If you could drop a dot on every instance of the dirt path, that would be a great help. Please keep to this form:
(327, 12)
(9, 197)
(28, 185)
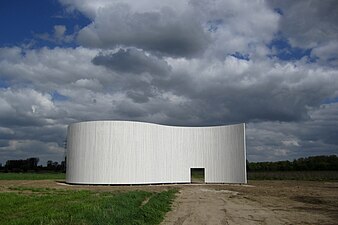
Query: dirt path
(219, 205)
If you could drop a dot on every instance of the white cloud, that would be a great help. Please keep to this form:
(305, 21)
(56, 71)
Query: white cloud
(6, 130)
(47, 68)
(166, 31)
(19, 149)
(58, 36)
(290, 142)
(92, 84)
(308, 23)
(179, 28)
(92, 8)
(327, 52)
(240, 26)
(315, 136)
(181, 63)
(311, 25)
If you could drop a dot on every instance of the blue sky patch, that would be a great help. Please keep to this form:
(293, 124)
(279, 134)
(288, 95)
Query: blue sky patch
(284, 51)
(3, 83)
(56, 96)
(330, 100)
(22, 20)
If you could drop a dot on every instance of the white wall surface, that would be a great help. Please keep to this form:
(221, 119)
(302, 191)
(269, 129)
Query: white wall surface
(125, 152)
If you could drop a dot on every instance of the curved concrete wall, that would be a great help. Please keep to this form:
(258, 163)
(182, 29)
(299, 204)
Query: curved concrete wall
(124, 152)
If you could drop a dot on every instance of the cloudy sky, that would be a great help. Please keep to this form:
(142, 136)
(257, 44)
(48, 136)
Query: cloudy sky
(270, 64)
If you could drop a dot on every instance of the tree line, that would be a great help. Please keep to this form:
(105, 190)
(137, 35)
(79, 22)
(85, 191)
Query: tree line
(322, 162)
(311, 163)
(31, 165)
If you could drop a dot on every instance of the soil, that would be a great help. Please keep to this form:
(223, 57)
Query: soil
(258, 202)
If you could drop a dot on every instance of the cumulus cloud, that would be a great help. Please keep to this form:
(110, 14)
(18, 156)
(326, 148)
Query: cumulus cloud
(26, 107)
(165, 31)
(22, 149)
(189, 92)
(58, 36)
(307, 23)
(327, 53)
(315, 136)
(91, 8)
(218, 27)
(237, 26)
(30, 125)
(179, 63)
(46, 68)
(132, 61)
(311, 25)
(91, 84)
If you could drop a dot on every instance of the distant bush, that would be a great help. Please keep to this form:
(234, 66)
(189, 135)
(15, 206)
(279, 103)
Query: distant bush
(312, 163)
(31, 165)
(294, 175)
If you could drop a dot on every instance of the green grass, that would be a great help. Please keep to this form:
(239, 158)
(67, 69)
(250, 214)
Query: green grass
(294, 175)
(21, 205)
(32, 176)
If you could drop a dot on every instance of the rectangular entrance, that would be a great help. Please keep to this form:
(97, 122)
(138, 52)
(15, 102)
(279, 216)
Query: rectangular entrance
(197, 175)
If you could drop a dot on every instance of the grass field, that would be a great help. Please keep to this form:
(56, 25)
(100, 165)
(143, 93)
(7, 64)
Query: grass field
(23, 205)
(295, 175)
(50, 202)
(32, 176)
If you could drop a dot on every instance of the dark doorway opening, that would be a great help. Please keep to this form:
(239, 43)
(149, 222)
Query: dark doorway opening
(197, 175)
